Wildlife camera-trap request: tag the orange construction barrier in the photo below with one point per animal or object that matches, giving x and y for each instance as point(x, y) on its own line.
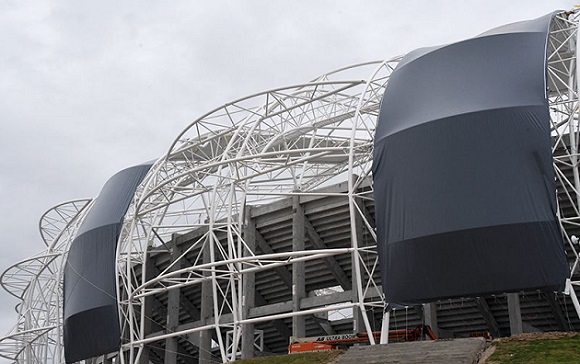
point(306, 347)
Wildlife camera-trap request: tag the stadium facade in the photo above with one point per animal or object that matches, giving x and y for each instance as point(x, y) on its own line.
point(258, 224)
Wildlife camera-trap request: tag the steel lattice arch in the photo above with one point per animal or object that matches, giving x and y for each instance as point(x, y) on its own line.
point(258, 223)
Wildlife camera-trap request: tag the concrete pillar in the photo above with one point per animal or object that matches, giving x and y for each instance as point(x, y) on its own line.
point(172, 312)
point(148, 309)
point(248, 289)
point(206, 312)
point(298, 279)
point(430, 312)
point(515, 313)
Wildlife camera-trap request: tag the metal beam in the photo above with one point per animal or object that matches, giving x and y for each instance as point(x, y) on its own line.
point(271, 309)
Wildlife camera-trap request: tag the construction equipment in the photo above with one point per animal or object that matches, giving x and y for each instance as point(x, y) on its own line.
point(342, 341)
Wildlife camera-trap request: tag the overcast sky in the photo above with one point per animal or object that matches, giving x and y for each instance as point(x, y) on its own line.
point(88, 88)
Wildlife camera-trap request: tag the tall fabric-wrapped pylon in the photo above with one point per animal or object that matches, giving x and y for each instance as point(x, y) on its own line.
point(463, 177)
point(91, 314)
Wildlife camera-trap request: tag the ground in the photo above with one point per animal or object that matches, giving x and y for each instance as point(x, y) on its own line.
point(532, 348)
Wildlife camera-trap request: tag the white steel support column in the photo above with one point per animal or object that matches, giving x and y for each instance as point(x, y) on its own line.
point(385, 327)
point(564, 91)
point(572, 292)
point(354, 166)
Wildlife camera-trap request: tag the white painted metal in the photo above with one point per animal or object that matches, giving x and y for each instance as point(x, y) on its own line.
point(37, 283)
point(385, 327)
point(569, 290)
point(562, 92)
point(249, 152)
point(258, 342)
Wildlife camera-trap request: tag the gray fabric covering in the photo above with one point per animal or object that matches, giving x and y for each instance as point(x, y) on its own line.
point(463, 177)
point(91, 320)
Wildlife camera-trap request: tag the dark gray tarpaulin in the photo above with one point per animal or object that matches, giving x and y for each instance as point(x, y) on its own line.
point(463, 178)
point(91, 320)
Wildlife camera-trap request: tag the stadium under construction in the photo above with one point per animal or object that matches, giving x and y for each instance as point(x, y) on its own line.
point(260, 224)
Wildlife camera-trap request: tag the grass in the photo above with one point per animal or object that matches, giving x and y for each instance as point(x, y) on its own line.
point(562, 350)
point(320, 357)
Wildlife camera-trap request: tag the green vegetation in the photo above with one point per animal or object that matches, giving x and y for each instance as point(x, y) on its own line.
point(540, 348)
point(557, 350)
point(320, 357)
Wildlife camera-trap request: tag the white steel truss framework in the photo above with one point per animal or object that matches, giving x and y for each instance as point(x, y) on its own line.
point(37, 283)
point(253, 151)
point(250, 152)
point(562, 92)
